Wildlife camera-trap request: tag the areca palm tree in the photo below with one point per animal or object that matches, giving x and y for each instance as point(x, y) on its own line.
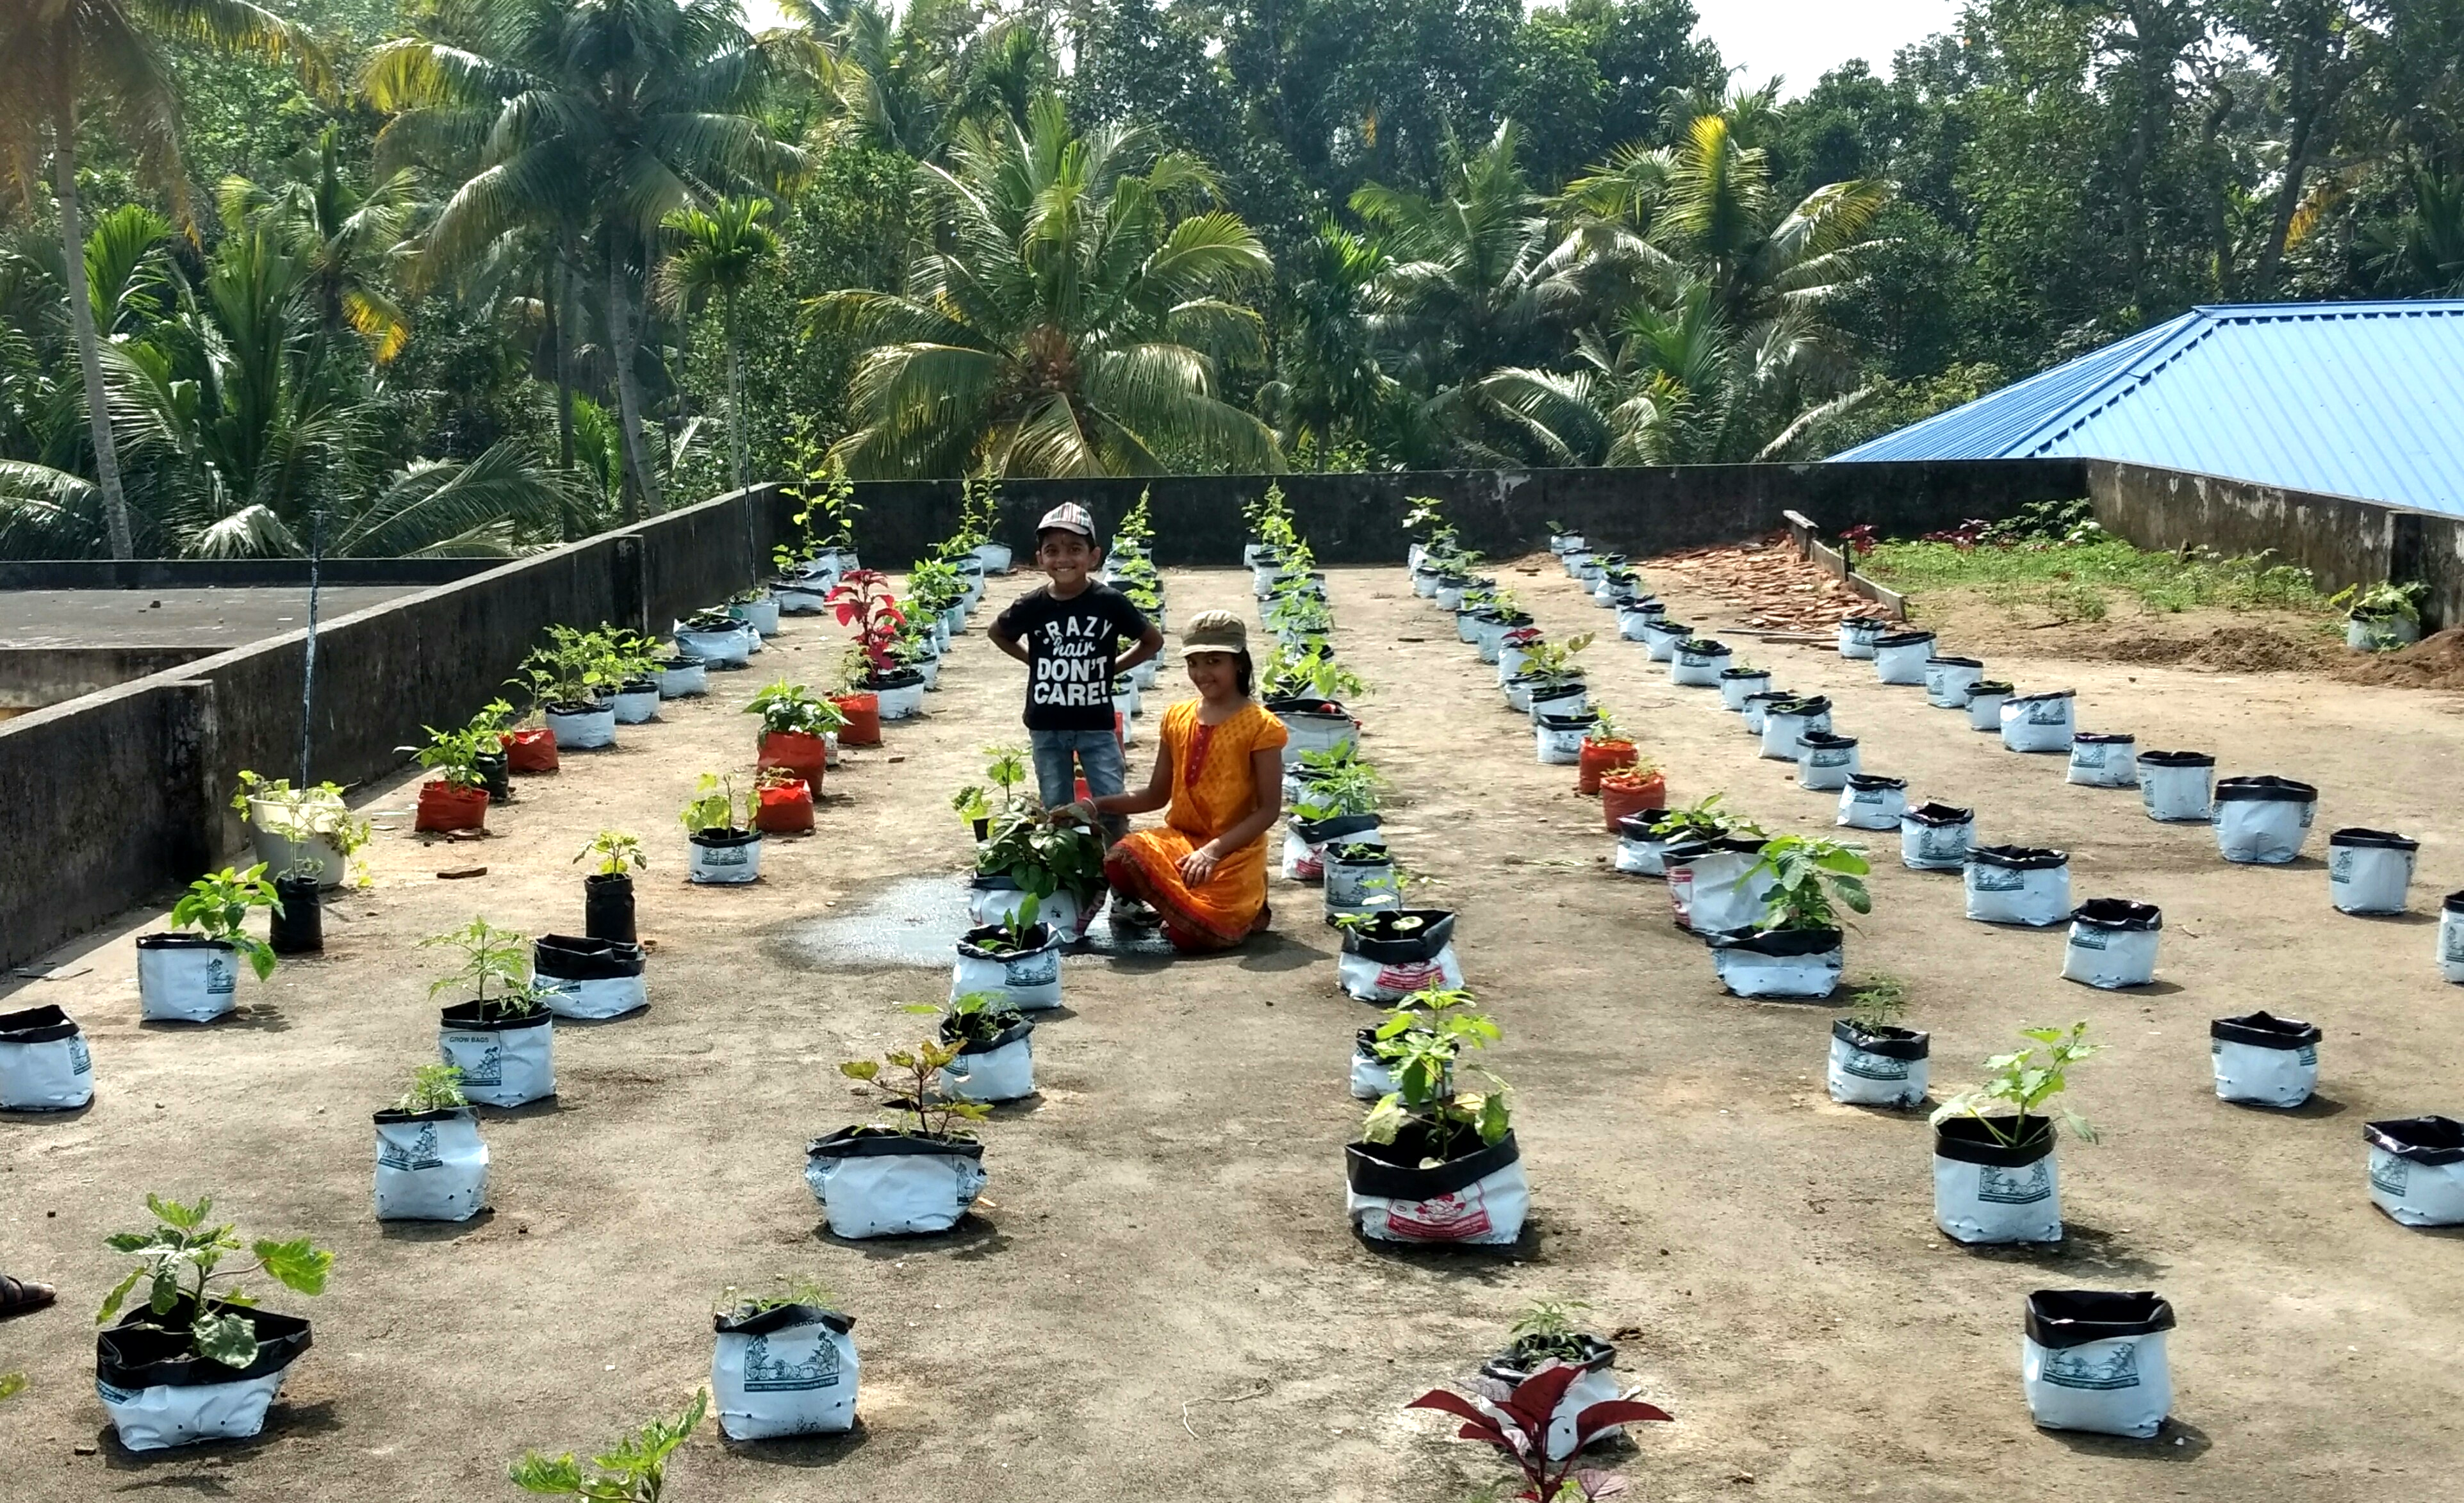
point(592, 119)
point(56, 58)
point(718, 254)
point(1067, 321)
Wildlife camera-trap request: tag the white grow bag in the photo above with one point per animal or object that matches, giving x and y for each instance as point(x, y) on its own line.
point(873, 1182)
point(1757, 708)
point(723, 858)
point(1639, 851)
point(44, 1063)
point(590, 979)
point(1713, 889)
point(185, 978)
point(1985, 701)
point(584, 730)
point(1560, 700)
point(2368, 871)
point(2038, 722)
point(1478, 1200)
point(2103, 760)
point(1936, 837)
point(2262, 1060)
point(1596, 1385)
point(762, 615)
point(788, 1370)
point(1636, 619)
point(2018, 885)
point(504, 1061)
point(1660, 638)
point(1312, 725)
point(683, 678)
point(2263, 820)
point(1870, 801)
point(1825, 763)
point(1735, 683)
point(1697, 662)
point(2173, 786)
point(1802, 964)
point(1899, 656)
point(2112, 943)
point(1881, 1067)
point(2417, 1169)
point(1000, 1071)
point(727, 649)
point(1305, 843)
point(1027, 979)
point(1983, 1192)
point(2451, 938)
point(431, 1165)
point(1558, 740)
point(997, 900)
point(634, 706)
point(2093, 1360)
point(901, 702)
point(158, 1399)
point(1947, 680)
point(1358, 886)
point(1785, 721)
point(1379, 964)
point(1856, 634)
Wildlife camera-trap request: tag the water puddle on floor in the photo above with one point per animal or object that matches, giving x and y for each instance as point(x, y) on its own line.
point(915, 920)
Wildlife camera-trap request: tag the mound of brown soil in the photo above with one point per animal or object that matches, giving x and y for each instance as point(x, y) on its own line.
point(2434, 662)
point(2227, 649)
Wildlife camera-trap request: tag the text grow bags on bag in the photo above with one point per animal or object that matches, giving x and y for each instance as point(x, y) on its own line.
point(1824, 761)
point(1986, 1190)
point(504, 1060)
point(1392, 953)
point(1936, 837)
point(1947, 680)
point(1882, 1066)
point(2173, 786)
point(2417, 1169)
point(1870, 801)
point(2094, 1360)
point(1713, 886)
point(159, 1393)
point(2018, 885)
point(2263, 819)
point(1803, 964)
point(590, 978)
point(2103, 760)
point(1899, 656)
point(185, 978)
point(2262, 1060)
point(2038, 722)
point(2368, 871)
point(1025, 976)
point(2112, 943)
point(1786, 722)
point(1985, 700)
point(873, 1182)
point(992, 1071)
point(44, 1064)
point(431, 1165)
point(787, 1370)
point(1478, 1199)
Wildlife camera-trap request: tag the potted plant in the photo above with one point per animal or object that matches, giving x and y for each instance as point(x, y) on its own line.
point(1302, 778)
point(1872, 801)
point(2038, 722)
point(1797, 949)
point(1661, 636)
point(1512, 656)
point(1551, 680)
point(1697, 662)
point(529, 748)
point(504, 1043)
point(432, 1164)
point(1016, 960)
point(1436, 1162)
point(1786, 722)
point(296, 925)
point(1994, 1179)
point(1716, 881)
point(1005, 769)
point(607, 891)
point(634, 1470)
point(2094, 1360)
point(1874, 1061)
point(1936, 837)
point(198, 1359)
point(862, 600)
point(455, 798)
point(1382, 1047)
point(44, 1063)
point(918, 1172)
point(1305, 688)
point(631, 663)
point(589, 980)
point(783, 802)
point(1339, 803)
point(1825, 761)
point(995, 1043)
point(757, 607)
point(1740, 680)
point(568, 682)
point(1060, 866)
point(783, 1364)
point(680, 675)
point(715, 639)
point(1390, 953)
point(724, 845)
point(1549, 1333)
point(193, 976)
point(2026, 885)
point(1631, 788)
point(1603, 750)
point(308, 830)
point(2382, 617)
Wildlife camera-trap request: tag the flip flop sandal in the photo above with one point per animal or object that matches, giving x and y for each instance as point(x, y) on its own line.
point(21, 1298)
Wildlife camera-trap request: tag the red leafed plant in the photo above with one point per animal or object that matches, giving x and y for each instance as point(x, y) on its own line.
point(863, 600)
point(1518, 1425)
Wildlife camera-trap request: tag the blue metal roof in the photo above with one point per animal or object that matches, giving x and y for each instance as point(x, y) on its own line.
point(2361, 399)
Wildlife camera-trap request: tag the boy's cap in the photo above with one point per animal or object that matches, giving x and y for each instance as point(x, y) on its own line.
point(1068, 516)
point(1214, 632)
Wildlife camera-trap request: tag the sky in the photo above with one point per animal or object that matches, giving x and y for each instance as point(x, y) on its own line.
point(1799, 40)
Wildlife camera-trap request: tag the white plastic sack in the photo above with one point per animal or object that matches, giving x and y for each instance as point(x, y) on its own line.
point(729, 865)
point(1985, 707)
point(1002, 1072)
point(2110, 948)
point(2368, 871)
point(1899, 656)
point(727, 649)
point(1371, 1080)
point(1947, 680)
point(596, 999)
point(1660, 638)
point(1635, 623)
point(1318, 733)
point(1771, 970)
point(2173, 786)
point(1029, 982)
point(163, 1416)
point(2451, 938)
point(1699, 665)
point(1356, 887)
point(1736, 683)
point(1719, 891)
point(1639, 855)
point(684, 684)
point(1365, 979)
point(2417, 1170)
point(1936, 837)
point(586, 731)
point(502, 1067)
point(791, 1373)
point(883, 1195)
point(1987, 1203)
point(1871, 802)
point(1825, 763)
point(1782, 727)
point(1559, 741)
point(902, 703)
point(1856, 634)
point(1487, 1213)
point(1884, 1069)
point(1564, 701)
point(2263, 820)
point(185, 978)
point(635, 708)
point(431, 1166)
point(2263, 1060)
point(2031, 890)
point(2037, 722)
point(999, 905)
point(2121, 1386)
point(2102, 761)
point(44, 1064)
point(565, 969)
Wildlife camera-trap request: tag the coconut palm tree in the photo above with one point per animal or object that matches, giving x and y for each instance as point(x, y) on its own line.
point(349, 236)
point(719, 253)
point(591, 120)
point(1327, 386)
point(1066, 319)
point(56, 58)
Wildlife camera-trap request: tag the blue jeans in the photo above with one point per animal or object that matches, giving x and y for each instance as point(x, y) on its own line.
point(1096, 753)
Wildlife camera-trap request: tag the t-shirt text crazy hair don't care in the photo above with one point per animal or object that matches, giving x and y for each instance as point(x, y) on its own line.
point(1071, 646)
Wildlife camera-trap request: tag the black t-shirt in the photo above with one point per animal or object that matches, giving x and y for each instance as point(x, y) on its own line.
point(1071, 646)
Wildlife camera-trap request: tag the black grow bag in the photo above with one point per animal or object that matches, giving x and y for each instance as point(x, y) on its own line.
point(1010, 1034)
point(465, 1017)
point(1374, 939)
point(1392, 1170)
point(607, 906)
point(2044, 696)
point(495, 775)
point(1964, 1140)
point(2428, 1141)
point(562, 957)
point(2264, 789)
point(1511, 1366)
point(2265, 1030)
point(46, 1025)
point(1885, 1040)
point(2372, 839)
point(780, 1318)
point(987, 943)
point(1569, 723)
point(2453, 902)
point(1704, 646)
point(2066, 1318)
point(879, 1142)
point(2118, 915)
point(146, 1350)
point(1319, 831)
point(298, 926)
point(2020, 859)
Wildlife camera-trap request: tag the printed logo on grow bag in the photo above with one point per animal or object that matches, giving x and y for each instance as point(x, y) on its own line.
point(766, 1373)
point(1307, 867)
point(222, 979)
point(1033, 970)
point(2087, 754)
point(1985, 878)
point(2306, 1054)
point(2074, 1368)
point(2340, 866)
point(1996, 1185)
point(1828, 759)
point(80, 1063)
point(1866, 796)
point(2387, 1172)
point(2089, 939)
point(2049, 712)
point(1873, 1066)
point(2454, 946)
point(725, 856)
point(1940, 844)
point(1443, 1218)
point(2309, 813)
point(486, 1067)
point(111, 1395)
point(1409, 979)
point(419, 1153)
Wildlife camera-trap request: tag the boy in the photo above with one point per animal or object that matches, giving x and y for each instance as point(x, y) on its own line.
point(1068, 634)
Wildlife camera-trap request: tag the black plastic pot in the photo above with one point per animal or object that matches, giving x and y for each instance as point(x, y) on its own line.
point(299, 923)
point(1320, 831)
point(608, 907)
point(494, 776)
point(983, 830)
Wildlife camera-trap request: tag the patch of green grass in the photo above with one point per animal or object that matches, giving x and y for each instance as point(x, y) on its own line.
point(2071, 579)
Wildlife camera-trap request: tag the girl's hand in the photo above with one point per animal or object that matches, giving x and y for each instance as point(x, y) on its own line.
point(1200, 864)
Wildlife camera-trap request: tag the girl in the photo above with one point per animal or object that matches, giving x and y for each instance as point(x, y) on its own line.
point(1222, 771)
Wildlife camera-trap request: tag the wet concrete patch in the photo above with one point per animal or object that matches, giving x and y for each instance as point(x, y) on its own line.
point(910, 921)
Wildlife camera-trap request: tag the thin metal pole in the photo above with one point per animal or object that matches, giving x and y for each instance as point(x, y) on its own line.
point(308, 672)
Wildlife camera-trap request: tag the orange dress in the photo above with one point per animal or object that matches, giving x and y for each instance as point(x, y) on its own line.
point(1212, 791)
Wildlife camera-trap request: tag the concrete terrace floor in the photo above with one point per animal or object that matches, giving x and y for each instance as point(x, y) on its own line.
point(1161, 1298)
